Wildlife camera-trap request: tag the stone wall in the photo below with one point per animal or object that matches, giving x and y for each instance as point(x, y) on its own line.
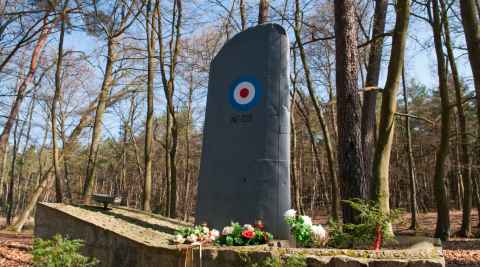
point(118, 239)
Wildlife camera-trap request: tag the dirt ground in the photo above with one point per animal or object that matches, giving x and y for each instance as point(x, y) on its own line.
point(459, 252)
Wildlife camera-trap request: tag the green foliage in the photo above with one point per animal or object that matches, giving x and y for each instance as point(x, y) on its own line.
point(300, 230)
point(360, 235)
point(296, 260)
point(196, 230)
point(60, 252)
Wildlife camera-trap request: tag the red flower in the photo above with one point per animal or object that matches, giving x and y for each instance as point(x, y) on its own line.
point(260, 225)
point(248, 234)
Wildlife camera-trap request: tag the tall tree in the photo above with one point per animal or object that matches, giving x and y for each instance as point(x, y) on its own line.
point(369, 116)
point(168, 82)
point(111, 30)
point(464, 156)
point(350, 157)
point(442, 229)
point(381, 163)
point(470, 14)
point(147, 188)
point(53, 115)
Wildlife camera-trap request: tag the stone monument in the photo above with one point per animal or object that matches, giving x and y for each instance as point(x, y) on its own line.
point(245, 164)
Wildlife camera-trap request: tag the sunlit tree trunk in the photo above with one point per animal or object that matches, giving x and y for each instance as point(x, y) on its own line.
point(243, 16)
point(97, 125)
point(369, 116)
point(53, 114)
point(169, 89)
point(381, 163)
point(263, 11)
point(147, 188)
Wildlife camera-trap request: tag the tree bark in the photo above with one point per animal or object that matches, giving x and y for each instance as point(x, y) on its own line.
point(381, 163)
point(369, 129)
point(442, 230)
point(243, 16)
point(263, 11)
point(349, 147)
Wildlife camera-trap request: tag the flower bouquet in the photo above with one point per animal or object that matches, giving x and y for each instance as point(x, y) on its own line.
point(195, 235)
point(237, 235)
point(305, 232)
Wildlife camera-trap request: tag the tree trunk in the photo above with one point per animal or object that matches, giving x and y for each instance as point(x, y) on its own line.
point(321, 118)
point(22, 87)
point(349, 155)
point(381, 163)
point(464, 156)
point(97, 125)
point(147, 188)
point(263, 11)
point(443, 222)
point(169, 89)
point(53, 114)
point(411, 160)
point(243, 16)
point(369, 129)
point(11, 188)
point(188, 152)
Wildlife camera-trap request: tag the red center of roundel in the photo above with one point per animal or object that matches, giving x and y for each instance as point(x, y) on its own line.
point(244, 92)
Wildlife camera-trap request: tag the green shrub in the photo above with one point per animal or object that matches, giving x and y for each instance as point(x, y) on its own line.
point(364, 233)
point(60, 252)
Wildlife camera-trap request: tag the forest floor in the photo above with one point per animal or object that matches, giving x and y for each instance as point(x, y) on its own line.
point(459, 252)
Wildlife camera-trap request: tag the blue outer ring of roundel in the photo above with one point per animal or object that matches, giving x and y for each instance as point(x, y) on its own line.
point(251, 104)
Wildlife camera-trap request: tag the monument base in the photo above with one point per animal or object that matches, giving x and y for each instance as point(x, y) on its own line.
point(125, 237)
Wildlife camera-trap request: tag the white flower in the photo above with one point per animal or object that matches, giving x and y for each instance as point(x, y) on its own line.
point(192, 238)
point(319, 232)
point(205, 230)
point(248, 227)
point(179, 239)
point(290, 214)
point(306, 220)
point(214, 234)
point(227, 230)
point(319, 235)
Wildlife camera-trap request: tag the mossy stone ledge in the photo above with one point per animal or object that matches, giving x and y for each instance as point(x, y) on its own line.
point(127, 237)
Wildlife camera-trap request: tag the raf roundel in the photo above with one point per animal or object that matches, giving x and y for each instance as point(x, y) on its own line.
point(244, 93)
